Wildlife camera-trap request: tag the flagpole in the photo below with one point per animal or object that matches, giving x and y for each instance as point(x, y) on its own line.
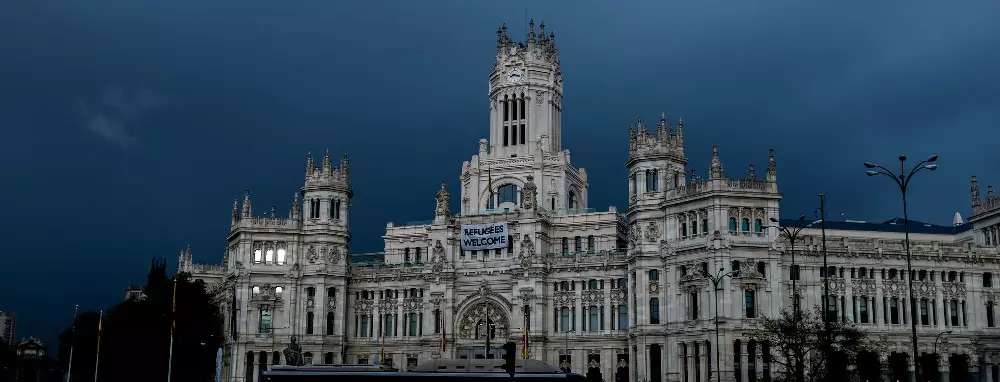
point(97, 359)
point(173, 323)
point(69, 369)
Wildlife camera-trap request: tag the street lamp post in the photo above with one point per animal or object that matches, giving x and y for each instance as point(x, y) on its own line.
point(937, 361)
point(827, 299)
point(903, 180)
point(794, 272)
point(716, 279)
point(792, 234)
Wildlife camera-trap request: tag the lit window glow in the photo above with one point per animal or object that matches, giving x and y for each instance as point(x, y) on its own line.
point(256, 256)
point(281, 256)
point(269, 255)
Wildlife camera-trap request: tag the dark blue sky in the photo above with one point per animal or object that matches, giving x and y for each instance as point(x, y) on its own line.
point(128, 127)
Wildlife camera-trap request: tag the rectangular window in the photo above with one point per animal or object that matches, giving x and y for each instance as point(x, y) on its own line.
point(794, 272)
point(328, 358)
point(654, 310)
point(954, 312)
point(894, 310)
point(863, 308)
point(506, 132)
point(329, 323)
point(622, 317)
point(564, 319)
point(693, 311)
point(924, 316)
point(749, 301)
point(266, 321)
point(522, 128)
point(413, 325)
point(989, 314)
point(309, 322)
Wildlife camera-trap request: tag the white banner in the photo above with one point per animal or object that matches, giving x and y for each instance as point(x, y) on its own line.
point(477, 237)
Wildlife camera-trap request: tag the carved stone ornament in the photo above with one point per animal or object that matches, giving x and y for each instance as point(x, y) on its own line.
point(527, 295)
point(363, 307)
point(310, 302)
point(387, 305)
point(412, 304)
point(592, 297)
point(529, 194)
point(564, 298)
point(538, 97)
point(654, 287)
point(443, 208)
point(925, 289)
point(652, 232)
point(438, 258)
point(437, 298)
point(618, 296)
point(893, 288)
point(331, 303)
point(475, 315)
point(633, 235)
point(311, 254)
point(864, 287)
point(953, 290)
point(333, 256)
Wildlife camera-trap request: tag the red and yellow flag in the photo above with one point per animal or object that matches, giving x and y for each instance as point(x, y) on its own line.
point(100, 322)
point(444, 338)
point(524, 340)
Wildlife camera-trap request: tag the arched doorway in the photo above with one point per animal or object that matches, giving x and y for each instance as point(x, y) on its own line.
point(838, 367)
point(958, 367)
point(869, 367)
point(929, 370)
point(899, 367)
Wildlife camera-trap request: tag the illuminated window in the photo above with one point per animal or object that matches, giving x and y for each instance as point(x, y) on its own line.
point(269, 256)
point(256, 256)
point(281, 256)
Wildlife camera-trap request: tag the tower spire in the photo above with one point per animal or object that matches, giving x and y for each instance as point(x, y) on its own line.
point(975, 191)
point(772, 167)
point(247, 211)
point(716, 169)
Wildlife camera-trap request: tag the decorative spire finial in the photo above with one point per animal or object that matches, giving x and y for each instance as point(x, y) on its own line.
point(309, 164)
point(772, 167)
point(236, 211)
point(751, 174)
point(294, 213)
point(975, 191)
point(247, 211)
point(716, 169)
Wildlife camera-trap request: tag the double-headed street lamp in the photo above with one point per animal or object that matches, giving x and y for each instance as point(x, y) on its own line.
point(903, 180)
point(716, 279)
point(792, 234)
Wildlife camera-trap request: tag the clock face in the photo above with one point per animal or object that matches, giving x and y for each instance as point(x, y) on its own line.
point(514, 75)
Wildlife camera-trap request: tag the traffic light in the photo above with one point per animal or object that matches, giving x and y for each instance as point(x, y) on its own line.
point(509, 357)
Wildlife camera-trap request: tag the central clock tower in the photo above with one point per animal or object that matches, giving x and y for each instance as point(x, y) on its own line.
point(525, 95)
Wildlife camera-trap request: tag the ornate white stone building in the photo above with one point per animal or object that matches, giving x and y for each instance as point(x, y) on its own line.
point(623, 294)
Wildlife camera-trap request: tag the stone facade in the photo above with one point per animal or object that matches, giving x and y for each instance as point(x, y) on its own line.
point(621, 293)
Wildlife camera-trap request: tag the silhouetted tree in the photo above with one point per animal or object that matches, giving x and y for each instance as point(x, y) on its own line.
point(135, 341)
point(797, 345)
point(85, 345)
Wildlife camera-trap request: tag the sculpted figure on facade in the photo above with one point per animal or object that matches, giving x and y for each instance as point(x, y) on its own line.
point(443, 209)
point(438, 257)
point(293, 353)
point(529, 195)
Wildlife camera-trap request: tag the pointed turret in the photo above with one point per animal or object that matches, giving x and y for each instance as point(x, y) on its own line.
point(715, 171)
point(989, 192)
point(750, 174)
point(975, 191)
point(247, 211)
point(327, 163)
point(294, 211)
point(531, 34)
point(345, 167)
point(694, 177)
point(772, 173)
point(680, 136)
point(273, 213)
point(236, 211)
point(309, 164)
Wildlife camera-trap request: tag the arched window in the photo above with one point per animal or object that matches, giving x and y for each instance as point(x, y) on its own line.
point(704, 226)
point(591, 244)
point(565, 245)
point(757, 226)
point(577, 244)
point(684, 229)
point(732, 224)
point(281, 256)
point(745, 227)
point(571, 200)
point(694, 226)
point(269, 256)
point(507, 194)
